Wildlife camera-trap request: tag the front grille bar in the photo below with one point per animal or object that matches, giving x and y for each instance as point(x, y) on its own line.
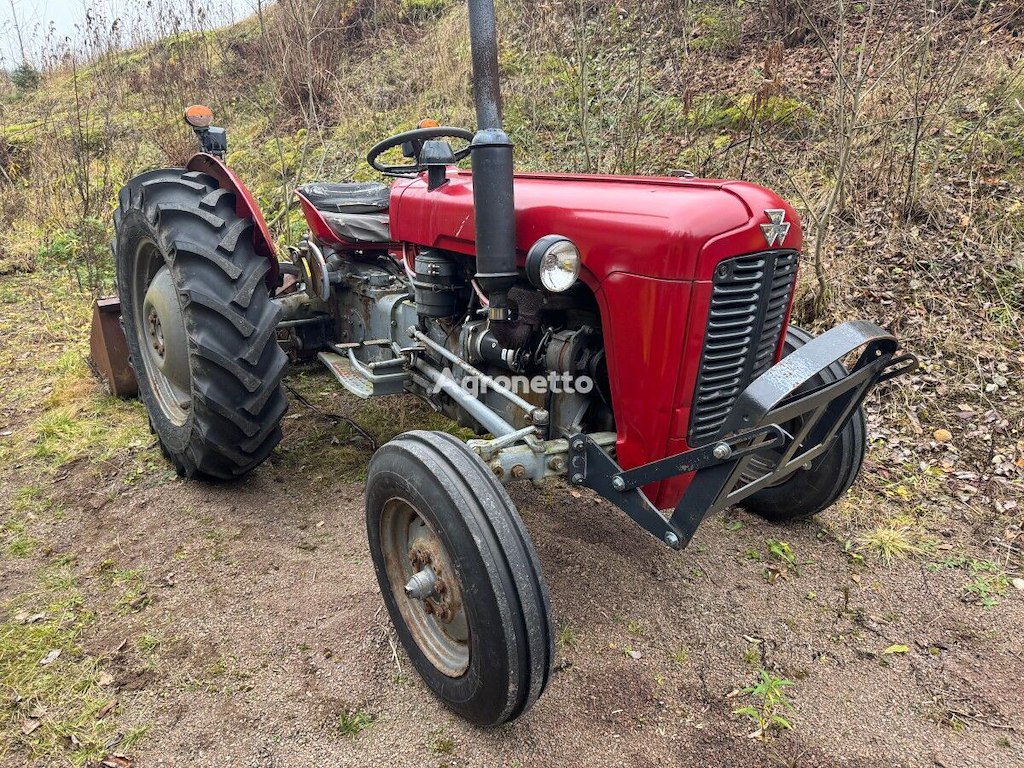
point(749, 298)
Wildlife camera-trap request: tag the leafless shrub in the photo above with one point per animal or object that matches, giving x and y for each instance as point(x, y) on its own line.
point(794, 22)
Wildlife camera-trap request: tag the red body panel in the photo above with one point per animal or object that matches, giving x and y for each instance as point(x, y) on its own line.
point(649, 247)
point(245, 205)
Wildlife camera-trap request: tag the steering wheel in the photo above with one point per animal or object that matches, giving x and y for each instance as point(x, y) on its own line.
point(416, 139)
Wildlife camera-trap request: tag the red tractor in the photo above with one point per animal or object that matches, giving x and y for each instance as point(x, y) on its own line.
point(648, 318)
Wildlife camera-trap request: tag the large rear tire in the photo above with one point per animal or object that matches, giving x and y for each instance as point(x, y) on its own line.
point(809, 491)
point(199, 322)
point(459, 577)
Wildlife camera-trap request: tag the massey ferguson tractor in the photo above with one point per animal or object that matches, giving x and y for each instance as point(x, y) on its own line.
point(648, 316)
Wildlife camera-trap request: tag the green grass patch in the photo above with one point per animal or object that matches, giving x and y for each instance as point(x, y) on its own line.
point(441, 744)
point(988, 581)
point(318, 445)
point(129, 583)
point(147, 644)
point(987, 588)
point(567, 637)
point(354, 721)
point(21, 545)
point(70, 416)
point(746, 110)
point(680, 656)
point(51, 697)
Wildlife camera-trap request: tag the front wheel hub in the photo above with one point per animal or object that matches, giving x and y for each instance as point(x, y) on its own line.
point(430, 593)
point(421, 585)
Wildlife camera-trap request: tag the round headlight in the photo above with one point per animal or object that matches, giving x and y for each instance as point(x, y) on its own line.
point(553, 263)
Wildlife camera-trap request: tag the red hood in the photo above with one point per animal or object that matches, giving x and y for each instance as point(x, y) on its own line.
point(654, 226)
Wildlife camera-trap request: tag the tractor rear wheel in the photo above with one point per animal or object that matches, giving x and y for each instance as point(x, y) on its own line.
point(811, 490)
point(459, 577)
point(199, 322)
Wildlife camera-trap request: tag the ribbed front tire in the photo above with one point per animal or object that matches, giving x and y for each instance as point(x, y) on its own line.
point(199, 322)
point(477, 625)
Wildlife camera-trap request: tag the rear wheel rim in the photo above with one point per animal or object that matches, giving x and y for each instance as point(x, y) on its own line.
point(160, 332)
point(437, 623)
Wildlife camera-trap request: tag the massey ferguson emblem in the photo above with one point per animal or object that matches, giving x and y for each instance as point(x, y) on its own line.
point(775, 233)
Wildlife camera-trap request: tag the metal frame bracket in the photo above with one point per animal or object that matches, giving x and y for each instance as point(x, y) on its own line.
point(591, 466)
point(734, 447)
point(782, 395)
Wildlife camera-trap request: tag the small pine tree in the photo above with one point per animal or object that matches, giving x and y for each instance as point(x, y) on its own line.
point(25, 77)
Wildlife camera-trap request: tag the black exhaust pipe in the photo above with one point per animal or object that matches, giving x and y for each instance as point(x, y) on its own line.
point(493, 198)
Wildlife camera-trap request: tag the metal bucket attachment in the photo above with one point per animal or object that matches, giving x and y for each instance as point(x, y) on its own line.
point(109, 350)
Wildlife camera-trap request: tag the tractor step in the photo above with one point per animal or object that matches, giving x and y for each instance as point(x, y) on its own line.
point(361, 380)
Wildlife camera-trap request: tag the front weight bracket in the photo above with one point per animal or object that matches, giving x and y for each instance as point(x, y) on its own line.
point(590, 465)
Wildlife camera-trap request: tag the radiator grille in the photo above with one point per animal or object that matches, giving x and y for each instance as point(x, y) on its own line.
point(749, 298)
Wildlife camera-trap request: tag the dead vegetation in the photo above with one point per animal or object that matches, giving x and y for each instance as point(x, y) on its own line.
point(897, 129)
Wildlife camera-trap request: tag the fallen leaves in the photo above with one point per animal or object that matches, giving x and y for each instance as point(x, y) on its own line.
point(33, 721)
point(50, 657)
point(895, 648)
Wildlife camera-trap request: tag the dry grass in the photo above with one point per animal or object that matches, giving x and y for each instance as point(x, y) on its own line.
point(891, 542)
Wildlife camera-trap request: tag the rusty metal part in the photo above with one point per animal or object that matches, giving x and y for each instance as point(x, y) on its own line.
point(445, 601)
point(109, 350)
point(437, 621)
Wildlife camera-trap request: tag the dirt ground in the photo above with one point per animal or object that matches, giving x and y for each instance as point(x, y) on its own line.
point(254, 622)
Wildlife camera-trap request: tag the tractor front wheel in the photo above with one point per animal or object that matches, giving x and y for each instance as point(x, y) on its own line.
point(459, 577)
point(199, 322)
point(817, 487)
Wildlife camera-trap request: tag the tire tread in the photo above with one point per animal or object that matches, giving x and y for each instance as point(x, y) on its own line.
point(237, 366)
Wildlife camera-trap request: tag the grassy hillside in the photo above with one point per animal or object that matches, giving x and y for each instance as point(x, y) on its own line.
point(896, 129)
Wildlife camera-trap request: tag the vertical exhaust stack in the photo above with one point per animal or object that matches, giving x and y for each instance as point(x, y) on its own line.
point(493, 200)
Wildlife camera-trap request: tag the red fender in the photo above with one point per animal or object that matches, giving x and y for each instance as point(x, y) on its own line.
point(317, 223)
point(245, 205)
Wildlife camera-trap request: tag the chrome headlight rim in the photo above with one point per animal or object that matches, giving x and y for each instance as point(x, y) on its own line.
point(544, 264)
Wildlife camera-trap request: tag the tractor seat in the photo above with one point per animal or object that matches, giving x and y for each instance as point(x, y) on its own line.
point(354, 197)
point(356, 212)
